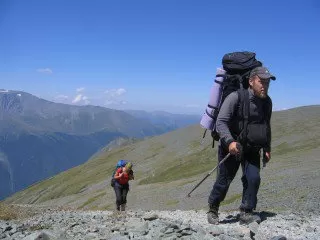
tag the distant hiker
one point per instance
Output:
(122, 177)
(243, 138)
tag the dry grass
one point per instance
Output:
(12, 212)
(7, 212)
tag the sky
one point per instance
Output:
(155, 55)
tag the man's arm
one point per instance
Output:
(227, 111)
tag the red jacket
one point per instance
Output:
(124, 178)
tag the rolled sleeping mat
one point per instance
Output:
(207, 120)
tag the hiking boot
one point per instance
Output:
(122, 207)
(212, 215)
(247, 217)
(118, 208)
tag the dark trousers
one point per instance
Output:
(121, 193)
(250, 164)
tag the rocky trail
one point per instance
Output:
(71, 224)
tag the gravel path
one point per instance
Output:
(177, 224)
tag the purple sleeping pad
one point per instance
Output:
(207, 120)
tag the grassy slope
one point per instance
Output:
(168, 166)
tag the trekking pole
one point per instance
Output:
(222, 161)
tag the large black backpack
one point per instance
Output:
(238, 66)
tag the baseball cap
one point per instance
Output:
(262, 72)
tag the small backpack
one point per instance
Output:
(120, 163)
(234, 76)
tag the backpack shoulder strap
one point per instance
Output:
(267, 109)
(243, 114)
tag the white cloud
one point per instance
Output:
(77, 99)
(109, 102)
(85, 99)
(81, 89)
(115, 102)
(115, 92)
(19, 94)
(279, 109)
(81, 99)
(115, 96)
(45, 70)
(120, 91)
(83, 96)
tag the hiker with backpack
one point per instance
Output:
(121, 179)
(243, 129)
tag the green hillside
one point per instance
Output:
(168, 166)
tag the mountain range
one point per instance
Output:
(39, 138)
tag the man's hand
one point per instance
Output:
(233, 148)
(267, 156)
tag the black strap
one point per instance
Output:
(267, 109)
(204, 133)
(220, 75)
(209, 114)
(244, 113)
(243, 80)
(210, 106)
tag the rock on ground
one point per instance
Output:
(60, 224)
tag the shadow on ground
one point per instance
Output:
(265, 215)
(233, 219)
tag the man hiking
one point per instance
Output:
(122, 177)
(244, 148)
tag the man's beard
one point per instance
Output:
(261, 94)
